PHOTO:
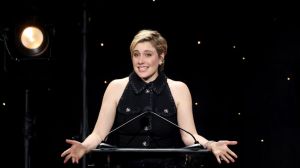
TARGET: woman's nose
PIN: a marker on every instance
(140, 59)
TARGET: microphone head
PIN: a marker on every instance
(105, 145)
(195, 146)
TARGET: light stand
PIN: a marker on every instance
(28, 124)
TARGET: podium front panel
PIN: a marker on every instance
(137, 157)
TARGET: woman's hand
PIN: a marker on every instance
(76, 151)
(222, 152)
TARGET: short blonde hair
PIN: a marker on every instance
(152, 36)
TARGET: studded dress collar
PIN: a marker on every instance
(139, 85)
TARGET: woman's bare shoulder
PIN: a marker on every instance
(175, 84)
(116, 87)
(120, 82)
(178, 90)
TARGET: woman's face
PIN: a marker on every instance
(145, 61)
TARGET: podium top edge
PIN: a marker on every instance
(149, 150)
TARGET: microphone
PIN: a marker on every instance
(105, 145)
(196, 144)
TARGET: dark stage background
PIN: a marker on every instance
(240, 61)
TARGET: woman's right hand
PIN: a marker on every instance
(76, 151)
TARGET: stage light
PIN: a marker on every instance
(29, 41)
(27, 45)
(32, 38)
(32, 41)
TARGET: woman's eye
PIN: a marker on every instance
(135, 54)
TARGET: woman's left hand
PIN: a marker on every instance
(222, 152)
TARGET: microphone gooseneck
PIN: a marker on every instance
(196, 144)
(195, 141)
(127, 122)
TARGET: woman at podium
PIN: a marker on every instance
(147, 109)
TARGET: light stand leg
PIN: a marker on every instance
(27, 132)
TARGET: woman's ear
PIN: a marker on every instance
(162, 59)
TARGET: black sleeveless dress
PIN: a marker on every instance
(141, 100)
